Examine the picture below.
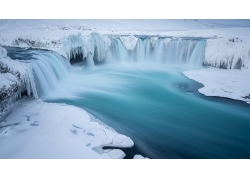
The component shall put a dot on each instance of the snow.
(153, 40)
(44, 130)
(129, 42)
(17, 68)
(233, 84)
(3, 53)
(36, 129)
(6, 79)
(138, 156)
(226, 52)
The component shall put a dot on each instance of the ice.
(233, 84)
(122, 141)
(138, 156)
(3, 53)
(226, 52)
(153, 40)
(45, 131)
(129, 42)
(116, 154)
(93, 47)
(6, 79)
(166, 50)
(16, 78)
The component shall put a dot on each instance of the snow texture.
(138, 156)
(16, 78)
(129, 42)
(228, 53)
(233, 84)
(153, 40)
(46, 130)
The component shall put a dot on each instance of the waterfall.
(48, 68)
(165, 50)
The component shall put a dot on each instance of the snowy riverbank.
(36, 129)
(233, 84)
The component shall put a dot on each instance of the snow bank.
(46, 130)
(233, 84)
(129, 42)
(228, 53)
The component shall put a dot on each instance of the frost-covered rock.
(129, 42)
(15, 79)
(227, 53)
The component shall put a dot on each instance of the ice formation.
(16, 78)
(129, 42)
(233, 84)
(227, 53)
(47, 130)
(165, 50)
(93, 47)
(138, 156)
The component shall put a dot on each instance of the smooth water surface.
(161, 110)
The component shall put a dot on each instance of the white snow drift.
(233, 84)
(46, 130)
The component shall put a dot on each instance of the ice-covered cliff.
(15, 78)
(228, 53)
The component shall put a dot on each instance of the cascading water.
(48, 67)
(151, 104)
(165, 50)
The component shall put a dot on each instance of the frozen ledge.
(36, 129)
(233, 84)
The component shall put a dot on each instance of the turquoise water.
(161, 110)
(153, 103)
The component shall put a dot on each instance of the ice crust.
(46, 130)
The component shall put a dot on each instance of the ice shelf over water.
(233, 84)
(46, 130)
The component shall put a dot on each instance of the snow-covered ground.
(36, 129)
(233, 84)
